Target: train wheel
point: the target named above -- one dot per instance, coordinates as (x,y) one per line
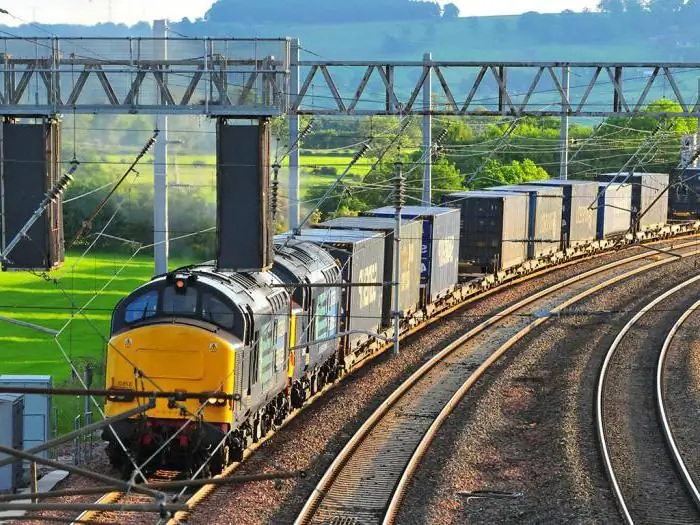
(221,460)
(237,453)
(115,455)
(125,470)
(257,434)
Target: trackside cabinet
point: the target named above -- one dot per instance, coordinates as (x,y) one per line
(11,435)
(37,409)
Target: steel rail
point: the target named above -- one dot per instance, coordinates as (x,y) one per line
(90,516)
(333,472)
(661,407)
(114,502)
(600,424)
(206,490)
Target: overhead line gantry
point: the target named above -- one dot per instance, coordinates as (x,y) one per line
(233,79)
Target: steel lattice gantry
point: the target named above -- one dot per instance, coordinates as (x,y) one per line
(230,77)
(493,88)
(264,77)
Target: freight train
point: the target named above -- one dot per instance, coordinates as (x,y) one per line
(271,340)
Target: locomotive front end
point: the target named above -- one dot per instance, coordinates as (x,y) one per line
(173,335)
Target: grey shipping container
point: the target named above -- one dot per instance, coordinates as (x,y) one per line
(544,217)
(579,215)
(614,209)
(360,255)
(411,236)
(37,409)
(493,233)
(11,435)
(646,187)
(439,249)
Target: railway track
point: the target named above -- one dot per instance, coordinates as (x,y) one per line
(201,494)
(367,479)
(123,498)
(641,459)
(664,412)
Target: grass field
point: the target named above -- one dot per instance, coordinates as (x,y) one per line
(199,170)
(54,304)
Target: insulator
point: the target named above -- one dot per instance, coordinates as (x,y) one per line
(60,186)
(361,153)
(306,130)
(400,193)
(442,136)
(150,143)
(275,190)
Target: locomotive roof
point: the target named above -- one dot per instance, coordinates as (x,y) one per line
(251,288)
(304,262)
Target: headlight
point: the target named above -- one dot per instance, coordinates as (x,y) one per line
(123,398)
(214,401)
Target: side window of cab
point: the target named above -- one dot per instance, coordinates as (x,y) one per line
(216,311)
(141,307)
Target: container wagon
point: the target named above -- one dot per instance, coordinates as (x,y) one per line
(439,247)
(578,224)
(614,209)
(544,217)
(493,231)
(360,255)
(409,280)
(646,187)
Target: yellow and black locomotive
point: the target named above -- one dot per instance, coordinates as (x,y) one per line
(243,334)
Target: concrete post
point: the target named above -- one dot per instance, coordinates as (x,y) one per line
(696,164)
(160,166)
(399,201)
(428,134)
(3,221)
(293,137)
(564,161)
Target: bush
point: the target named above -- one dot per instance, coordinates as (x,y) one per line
(127,217)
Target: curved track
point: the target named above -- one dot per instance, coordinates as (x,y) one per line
(206,490)
(366,481)
(664,412)
(630,417)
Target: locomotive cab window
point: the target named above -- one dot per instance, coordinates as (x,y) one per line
(180,302)
(141,307)
(216,311)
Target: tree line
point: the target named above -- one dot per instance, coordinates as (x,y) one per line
(475,152)
(322,11)
(478,153)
